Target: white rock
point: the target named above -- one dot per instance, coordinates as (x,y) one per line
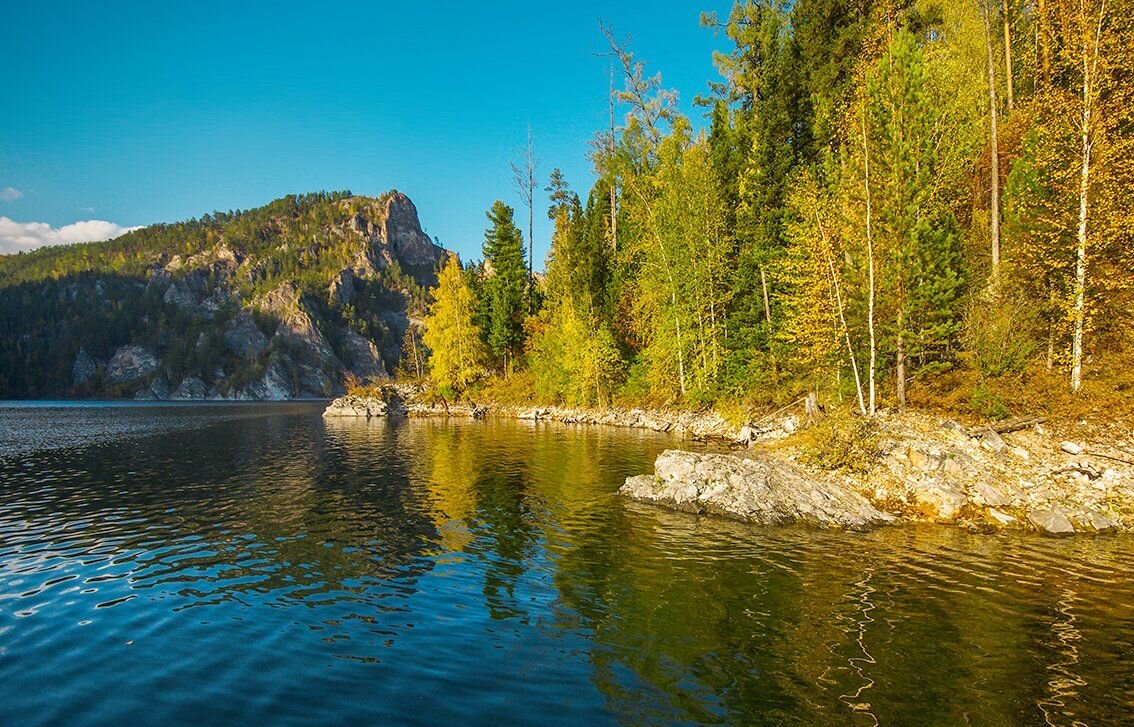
(989,495)
(1001,517)
(1051,522)
(767,490)
(1071,448)
(943,502)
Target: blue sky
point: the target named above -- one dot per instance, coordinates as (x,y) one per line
(140,112)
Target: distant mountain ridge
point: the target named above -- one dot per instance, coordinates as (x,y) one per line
(287,300)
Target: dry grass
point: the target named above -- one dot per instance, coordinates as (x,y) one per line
(1107,394)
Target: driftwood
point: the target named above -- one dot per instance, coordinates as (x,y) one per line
(1081,468)
(1110,457)
(1015,425)
(781,410)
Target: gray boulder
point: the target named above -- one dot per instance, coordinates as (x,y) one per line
(1051,522)
(764,489)
(130,363)
(181,295)
(84,368)
(274,385)
(356,406)
(191,388)
(158,390)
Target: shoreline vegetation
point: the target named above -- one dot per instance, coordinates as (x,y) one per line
(1056,477)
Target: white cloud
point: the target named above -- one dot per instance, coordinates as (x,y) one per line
(10,194)
(16,236)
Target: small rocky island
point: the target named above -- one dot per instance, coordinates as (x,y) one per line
(764,490)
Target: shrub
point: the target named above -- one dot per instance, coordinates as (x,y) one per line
(1000,336)
(842,441)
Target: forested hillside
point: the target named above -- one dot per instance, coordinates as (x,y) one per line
(290,299)
(891,201)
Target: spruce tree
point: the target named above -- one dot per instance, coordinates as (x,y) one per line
(505,284)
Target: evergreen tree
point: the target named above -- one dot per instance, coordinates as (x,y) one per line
(504,285)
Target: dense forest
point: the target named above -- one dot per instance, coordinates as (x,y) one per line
(890,202)
(294,298)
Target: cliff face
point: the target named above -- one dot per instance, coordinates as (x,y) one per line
(289,300)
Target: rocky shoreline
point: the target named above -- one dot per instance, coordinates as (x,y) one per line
(1038,477)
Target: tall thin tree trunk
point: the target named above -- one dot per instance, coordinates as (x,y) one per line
(767,303)
(1008,54)
(870,264)
(1079,315)
(830,256)
(531,223)
(613,179)
(1050,346)
(901,367)
(677,328)
(524,179)
(1044,32)
(994,142)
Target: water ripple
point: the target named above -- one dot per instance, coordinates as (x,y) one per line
(252,563)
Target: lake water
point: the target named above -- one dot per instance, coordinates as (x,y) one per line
(254,564)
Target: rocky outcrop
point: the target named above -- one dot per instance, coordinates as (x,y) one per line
(361,356)
(367,407)
(298,334)
(179,294)
(404,235)
(341,290)
(764,490)
(84,368)
(243,338)
(191,388)
(393,232)
(158,390)
(274,385)
(129,364)
(1026,479)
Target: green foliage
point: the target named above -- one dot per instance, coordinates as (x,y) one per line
(987,405)
(504,288)
(843,441)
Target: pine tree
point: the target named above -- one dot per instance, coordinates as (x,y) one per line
(918,250)
(505,285)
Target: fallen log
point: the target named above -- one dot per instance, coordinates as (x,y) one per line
(1007,427)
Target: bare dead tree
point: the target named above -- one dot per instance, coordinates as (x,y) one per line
(524,179)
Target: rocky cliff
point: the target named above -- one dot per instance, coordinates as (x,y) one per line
(293,299)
